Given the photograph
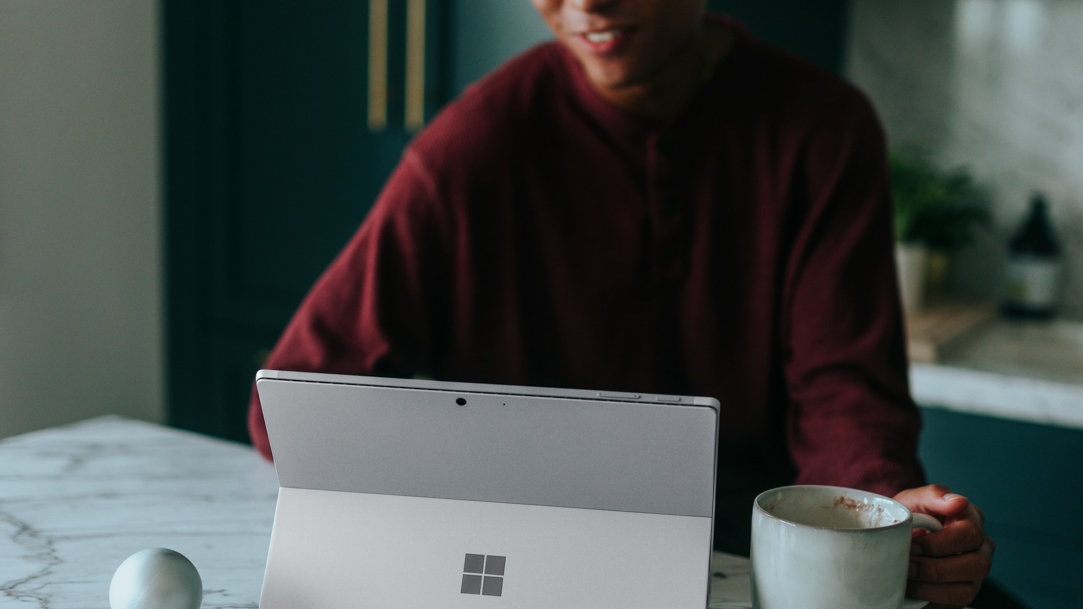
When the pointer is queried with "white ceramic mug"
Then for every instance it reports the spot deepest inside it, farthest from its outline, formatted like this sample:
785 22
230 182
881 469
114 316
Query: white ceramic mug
827 547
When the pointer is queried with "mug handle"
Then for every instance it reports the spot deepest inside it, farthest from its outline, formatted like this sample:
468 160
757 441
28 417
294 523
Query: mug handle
925 521
922 521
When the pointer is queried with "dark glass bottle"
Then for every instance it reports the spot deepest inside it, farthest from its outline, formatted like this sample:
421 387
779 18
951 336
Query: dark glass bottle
1033 273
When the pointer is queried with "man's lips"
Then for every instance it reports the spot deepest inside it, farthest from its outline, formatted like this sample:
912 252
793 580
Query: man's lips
604 41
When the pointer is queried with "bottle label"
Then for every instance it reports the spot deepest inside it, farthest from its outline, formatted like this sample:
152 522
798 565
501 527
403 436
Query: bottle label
1032 282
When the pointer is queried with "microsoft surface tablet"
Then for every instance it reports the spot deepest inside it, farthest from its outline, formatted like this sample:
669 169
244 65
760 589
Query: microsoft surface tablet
403 493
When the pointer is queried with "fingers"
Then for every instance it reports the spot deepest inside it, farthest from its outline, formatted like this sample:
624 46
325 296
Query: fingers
963 534
968 567
935 499
948 566
953 580
956 594
980 513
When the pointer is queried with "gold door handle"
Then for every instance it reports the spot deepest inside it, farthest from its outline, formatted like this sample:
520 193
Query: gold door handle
377 65
415 65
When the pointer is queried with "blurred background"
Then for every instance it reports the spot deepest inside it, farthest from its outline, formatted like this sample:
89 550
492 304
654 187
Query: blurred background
175 175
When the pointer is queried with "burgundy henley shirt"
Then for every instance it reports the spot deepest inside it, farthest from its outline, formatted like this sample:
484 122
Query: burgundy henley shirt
533 234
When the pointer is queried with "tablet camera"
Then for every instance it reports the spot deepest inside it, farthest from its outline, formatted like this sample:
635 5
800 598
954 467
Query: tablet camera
460 401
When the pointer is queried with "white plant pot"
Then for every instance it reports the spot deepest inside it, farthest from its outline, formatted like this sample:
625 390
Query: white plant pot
910 260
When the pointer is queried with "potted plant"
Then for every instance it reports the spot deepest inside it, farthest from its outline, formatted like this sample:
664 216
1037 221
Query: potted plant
936 213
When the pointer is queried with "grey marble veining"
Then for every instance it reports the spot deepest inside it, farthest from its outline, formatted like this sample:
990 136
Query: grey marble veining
996 85
76 501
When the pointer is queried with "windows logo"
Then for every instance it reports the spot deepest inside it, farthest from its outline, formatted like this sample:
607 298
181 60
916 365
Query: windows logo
483 575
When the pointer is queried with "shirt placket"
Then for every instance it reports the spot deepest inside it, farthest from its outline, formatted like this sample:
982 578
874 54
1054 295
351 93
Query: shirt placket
669 213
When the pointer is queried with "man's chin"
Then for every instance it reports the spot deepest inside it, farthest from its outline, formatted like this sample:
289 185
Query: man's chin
613 81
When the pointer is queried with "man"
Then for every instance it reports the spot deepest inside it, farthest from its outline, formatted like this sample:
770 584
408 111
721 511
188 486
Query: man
656 202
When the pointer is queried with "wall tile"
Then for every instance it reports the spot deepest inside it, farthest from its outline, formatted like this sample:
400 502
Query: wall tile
996 85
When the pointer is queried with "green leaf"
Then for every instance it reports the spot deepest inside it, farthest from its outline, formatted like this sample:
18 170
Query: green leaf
939 209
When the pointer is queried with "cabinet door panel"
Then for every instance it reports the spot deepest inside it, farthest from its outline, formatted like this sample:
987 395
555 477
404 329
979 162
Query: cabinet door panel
271 166
1026 477
815 31
307 166
1044 575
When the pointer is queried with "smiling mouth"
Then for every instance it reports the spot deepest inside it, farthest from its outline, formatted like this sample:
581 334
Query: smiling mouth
604 42
602 37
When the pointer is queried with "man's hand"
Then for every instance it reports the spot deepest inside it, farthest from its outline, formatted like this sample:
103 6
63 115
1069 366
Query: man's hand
949 566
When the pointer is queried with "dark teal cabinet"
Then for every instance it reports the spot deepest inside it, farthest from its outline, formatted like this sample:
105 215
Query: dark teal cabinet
1028 479
816 31
283 120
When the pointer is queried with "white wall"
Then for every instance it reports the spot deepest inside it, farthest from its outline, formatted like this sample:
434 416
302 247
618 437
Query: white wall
80 278
996 85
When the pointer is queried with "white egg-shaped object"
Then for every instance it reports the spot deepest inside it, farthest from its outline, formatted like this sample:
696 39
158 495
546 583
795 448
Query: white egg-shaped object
156 578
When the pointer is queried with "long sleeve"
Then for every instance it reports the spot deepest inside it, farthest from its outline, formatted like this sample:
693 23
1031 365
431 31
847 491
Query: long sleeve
851 421
377 309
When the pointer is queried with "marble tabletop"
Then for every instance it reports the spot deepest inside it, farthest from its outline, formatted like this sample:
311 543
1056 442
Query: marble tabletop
75 501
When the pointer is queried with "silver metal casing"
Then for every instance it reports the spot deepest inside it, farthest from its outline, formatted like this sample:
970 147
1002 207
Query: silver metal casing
403 493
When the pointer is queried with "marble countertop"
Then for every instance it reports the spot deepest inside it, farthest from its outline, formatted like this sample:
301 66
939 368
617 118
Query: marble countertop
75 501
1030 372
